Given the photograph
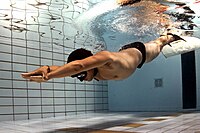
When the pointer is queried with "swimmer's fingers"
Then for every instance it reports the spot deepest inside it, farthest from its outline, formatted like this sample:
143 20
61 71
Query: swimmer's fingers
37 79
42 71
27 75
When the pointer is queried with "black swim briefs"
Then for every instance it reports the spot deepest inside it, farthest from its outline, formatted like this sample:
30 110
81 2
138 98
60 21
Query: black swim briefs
140 46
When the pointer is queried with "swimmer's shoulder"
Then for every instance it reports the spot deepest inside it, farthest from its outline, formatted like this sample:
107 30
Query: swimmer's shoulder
111 56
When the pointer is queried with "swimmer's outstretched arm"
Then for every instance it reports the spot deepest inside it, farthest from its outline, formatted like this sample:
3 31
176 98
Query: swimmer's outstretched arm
40 71
45 73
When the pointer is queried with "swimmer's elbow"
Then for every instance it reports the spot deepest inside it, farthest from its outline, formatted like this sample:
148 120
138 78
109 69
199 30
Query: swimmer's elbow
77 66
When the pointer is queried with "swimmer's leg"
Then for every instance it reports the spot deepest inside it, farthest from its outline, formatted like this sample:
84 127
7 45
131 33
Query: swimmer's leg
153 48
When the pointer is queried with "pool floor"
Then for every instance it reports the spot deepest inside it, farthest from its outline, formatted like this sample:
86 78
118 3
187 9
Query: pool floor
117 122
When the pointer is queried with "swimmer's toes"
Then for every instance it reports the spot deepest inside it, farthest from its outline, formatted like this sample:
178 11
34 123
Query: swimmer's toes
176 37
127 2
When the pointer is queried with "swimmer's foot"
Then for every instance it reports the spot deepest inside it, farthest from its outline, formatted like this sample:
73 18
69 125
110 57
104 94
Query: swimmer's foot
172 38
127 2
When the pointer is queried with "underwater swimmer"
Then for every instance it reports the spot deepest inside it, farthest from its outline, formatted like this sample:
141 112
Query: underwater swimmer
103 65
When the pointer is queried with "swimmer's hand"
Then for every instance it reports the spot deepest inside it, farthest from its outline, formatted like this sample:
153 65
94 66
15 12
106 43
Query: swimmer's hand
38 75
37 79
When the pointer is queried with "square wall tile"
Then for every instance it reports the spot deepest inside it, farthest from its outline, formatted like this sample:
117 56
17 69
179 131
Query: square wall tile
80 87
71 108
81 107
98 106
59 101
33 60
5 48
19 84
46 54
19 50
34 101
90 107
70 100
58 56
18 35
6 74
59 94
6 92
19 58
90 100
70 94
89 94
47 109
34 93
5 57
6 101
33 44
6 110
5 65
99 100
34 109
98 94
90 87
47 93
33 52
59 108
81 100
20 101
47 101
20 109
47 85
33 85
18 42
59 86
6 83
46 61
6 117
21 117
20 93
70 86
19 67
80 94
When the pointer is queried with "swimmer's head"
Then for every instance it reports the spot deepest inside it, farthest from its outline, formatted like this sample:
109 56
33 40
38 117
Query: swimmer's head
79 54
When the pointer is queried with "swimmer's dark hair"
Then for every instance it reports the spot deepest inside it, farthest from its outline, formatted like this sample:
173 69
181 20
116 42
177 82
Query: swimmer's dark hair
79 54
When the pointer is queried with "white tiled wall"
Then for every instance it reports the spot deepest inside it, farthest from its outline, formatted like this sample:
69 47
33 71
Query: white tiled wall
29 39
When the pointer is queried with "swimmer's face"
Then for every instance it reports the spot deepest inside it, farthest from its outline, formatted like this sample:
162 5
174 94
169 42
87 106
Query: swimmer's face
81 76
84 76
